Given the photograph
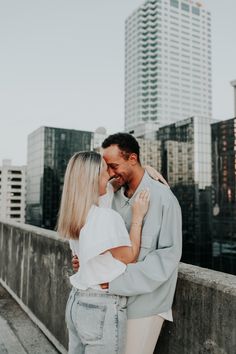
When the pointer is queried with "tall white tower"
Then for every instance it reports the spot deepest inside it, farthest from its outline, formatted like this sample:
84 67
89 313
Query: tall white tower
167 64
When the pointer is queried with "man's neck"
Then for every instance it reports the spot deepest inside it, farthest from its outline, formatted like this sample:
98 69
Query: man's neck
131 187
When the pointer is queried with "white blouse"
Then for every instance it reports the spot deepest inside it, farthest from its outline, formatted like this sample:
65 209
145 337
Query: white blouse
104 229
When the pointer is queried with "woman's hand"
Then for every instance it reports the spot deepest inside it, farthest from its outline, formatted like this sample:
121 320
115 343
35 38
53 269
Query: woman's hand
155 175
140 205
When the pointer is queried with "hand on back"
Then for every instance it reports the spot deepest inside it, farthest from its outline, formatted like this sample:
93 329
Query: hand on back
75 263
155 175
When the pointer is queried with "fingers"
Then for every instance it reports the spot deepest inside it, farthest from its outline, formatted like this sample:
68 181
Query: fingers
162 179
75 260
156 175
143 195
75 263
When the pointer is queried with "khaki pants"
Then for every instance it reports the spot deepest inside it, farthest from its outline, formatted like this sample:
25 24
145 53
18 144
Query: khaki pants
142 334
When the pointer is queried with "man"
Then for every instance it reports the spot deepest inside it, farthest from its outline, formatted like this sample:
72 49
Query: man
150 282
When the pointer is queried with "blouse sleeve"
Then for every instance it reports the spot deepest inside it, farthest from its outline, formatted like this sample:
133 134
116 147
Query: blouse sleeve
105 229
101 269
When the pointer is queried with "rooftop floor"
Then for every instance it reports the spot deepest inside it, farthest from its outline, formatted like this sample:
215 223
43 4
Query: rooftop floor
18 334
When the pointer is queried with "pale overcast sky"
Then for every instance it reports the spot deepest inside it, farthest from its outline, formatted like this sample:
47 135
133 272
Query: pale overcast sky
62 65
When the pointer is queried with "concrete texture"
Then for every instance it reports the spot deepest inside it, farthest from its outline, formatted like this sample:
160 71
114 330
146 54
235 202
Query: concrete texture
34 267
204 314
18 334
34 264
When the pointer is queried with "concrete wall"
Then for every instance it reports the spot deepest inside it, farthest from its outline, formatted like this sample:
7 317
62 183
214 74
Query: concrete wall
204 314
34 267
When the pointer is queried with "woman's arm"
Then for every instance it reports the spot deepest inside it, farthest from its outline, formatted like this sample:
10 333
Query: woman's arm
130 254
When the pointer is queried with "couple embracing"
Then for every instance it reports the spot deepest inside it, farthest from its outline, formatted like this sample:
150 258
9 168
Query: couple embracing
124 226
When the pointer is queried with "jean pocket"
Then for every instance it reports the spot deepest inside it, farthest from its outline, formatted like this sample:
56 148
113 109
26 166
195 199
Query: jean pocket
90 321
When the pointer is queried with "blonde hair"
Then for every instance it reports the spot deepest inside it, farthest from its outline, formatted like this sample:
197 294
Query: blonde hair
80 192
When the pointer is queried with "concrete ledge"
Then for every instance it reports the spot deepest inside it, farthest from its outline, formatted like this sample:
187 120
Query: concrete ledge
209 278
34 267
204 314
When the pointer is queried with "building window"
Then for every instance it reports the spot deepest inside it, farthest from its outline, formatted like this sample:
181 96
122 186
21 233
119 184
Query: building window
13 201
15 172
174 3
195 10
185 7
16 194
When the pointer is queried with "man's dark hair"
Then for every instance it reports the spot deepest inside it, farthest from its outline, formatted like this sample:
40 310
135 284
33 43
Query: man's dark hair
126 143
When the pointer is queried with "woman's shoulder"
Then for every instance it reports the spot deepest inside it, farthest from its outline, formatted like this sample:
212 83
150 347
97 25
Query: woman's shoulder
103 212
103 218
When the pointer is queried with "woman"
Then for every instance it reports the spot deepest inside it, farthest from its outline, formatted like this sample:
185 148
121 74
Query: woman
97 234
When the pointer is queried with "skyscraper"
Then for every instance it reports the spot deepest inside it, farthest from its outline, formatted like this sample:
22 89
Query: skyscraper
150 153
224 194
186 163
167 64
49 150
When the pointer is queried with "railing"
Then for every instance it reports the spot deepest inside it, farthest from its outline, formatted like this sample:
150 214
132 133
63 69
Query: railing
34 268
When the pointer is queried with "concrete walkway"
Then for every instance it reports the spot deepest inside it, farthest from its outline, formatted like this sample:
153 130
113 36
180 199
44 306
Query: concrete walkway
18 334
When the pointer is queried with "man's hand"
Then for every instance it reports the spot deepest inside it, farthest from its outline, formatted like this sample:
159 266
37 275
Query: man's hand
75 263
75 266
155 175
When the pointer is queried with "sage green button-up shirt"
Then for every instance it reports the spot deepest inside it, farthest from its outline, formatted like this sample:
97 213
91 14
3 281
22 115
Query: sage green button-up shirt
150 283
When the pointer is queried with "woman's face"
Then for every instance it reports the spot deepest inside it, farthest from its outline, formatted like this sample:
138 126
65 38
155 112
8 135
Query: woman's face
104 178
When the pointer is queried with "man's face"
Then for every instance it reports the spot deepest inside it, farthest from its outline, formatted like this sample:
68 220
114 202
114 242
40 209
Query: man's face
118 167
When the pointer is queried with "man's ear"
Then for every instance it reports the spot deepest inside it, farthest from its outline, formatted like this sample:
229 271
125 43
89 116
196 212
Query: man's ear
133 159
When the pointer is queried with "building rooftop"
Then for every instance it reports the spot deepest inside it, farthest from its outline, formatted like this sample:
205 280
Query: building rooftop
15 327
36 271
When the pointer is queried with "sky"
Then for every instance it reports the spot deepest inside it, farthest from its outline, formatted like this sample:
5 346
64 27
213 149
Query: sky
62 65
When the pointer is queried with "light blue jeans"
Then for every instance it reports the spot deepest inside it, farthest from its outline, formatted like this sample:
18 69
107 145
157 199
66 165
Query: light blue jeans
96 322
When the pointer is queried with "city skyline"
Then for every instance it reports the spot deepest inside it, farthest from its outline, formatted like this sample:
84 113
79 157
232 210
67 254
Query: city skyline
62 65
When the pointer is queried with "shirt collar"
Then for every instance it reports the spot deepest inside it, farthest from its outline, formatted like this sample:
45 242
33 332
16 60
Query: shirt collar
144 183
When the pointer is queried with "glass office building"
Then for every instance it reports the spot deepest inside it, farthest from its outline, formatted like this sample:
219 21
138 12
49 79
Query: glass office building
150 153
186 163
49 150
224 195
167 64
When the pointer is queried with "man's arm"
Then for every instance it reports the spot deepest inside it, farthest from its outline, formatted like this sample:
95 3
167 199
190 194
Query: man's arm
158 266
